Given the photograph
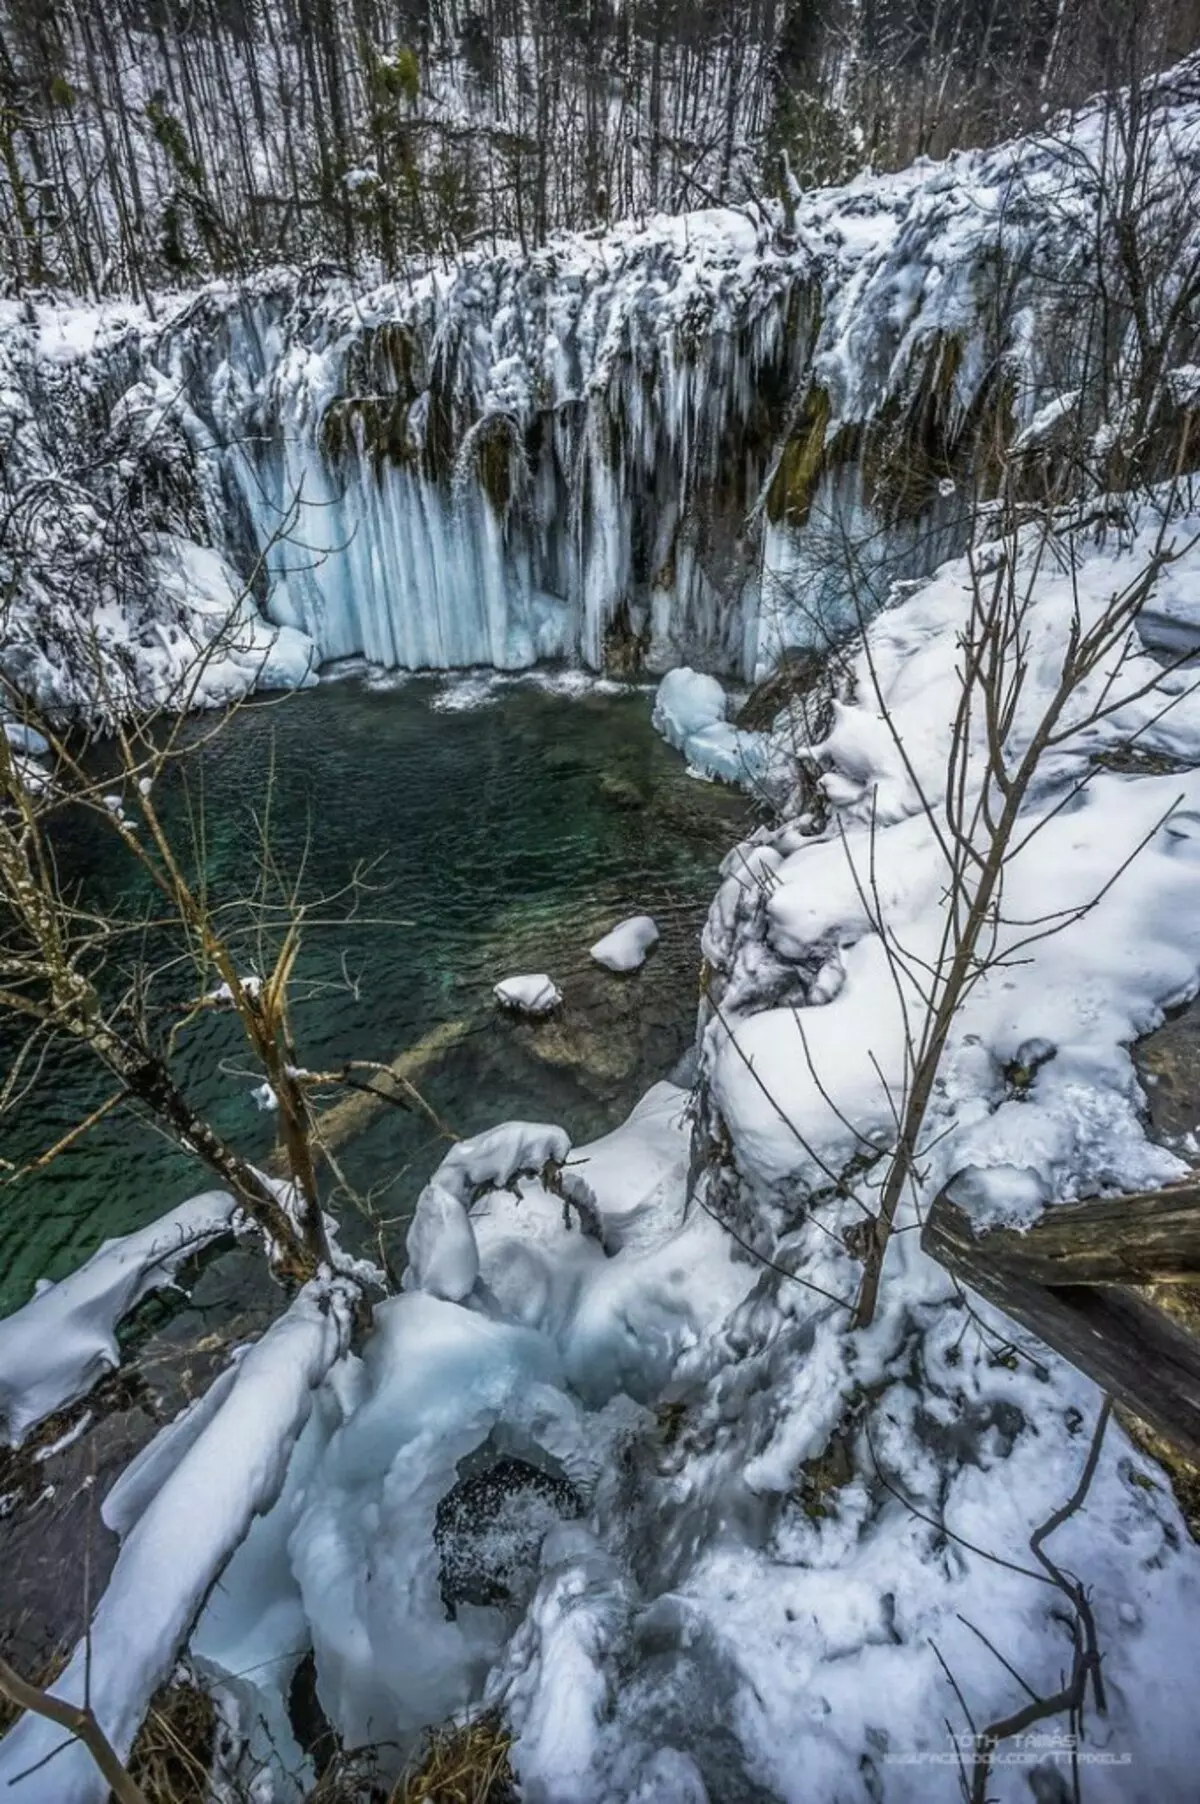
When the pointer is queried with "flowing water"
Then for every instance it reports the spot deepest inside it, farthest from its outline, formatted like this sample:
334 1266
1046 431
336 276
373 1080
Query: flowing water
501 838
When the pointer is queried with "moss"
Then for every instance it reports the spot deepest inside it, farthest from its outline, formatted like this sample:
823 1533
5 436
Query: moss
823 1478
625 643
912 443
802 461
670 1418
394 358
370 426
493 466
1184 1473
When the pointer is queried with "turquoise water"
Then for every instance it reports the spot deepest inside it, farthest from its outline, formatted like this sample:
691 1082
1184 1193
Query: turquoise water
501 839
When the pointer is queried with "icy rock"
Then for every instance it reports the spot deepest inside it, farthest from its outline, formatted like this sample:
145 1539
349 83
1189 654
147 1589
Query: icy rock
26 739
686 703
689 712
532 995
289 662
728 753
625 948
443 1259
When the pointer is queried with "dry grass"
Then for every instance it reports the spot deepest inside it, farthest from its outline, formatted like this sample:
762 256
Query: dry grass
172 1756
463 1763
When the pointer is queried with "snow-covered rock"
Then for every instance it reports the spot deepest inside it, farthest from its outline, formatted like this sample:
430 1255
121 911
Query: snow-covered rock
687 702
535 994
689 712
25 739
626 946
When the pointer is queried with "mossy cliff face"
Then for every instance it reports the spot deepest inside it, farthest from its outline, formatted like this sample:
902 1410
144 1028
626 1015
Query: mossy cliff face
634 447
650 504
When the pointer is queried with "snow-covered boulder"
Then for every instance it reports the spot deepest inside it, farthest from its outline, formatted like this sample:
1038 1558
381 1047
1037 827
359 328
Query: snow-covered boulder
535 995
725 751
625 948
689 712
57 1347
686 703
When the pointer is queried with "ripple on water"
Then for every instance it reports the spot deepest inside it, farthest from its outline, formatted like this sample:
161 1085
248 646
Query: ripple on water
508 837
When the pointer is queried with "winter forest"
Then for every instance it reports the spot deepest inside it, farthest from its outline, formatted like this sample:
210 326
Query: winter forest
599 901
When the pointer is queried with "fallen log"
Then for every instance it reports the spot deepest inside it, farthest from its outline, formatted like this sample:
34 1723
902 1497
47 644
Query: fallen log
1137 1354
1150 1237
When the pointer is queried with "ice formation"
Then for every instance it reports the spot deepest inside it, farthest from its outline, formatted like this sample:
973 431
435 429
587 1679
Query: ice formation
625 948
632 447
689 712
212 1477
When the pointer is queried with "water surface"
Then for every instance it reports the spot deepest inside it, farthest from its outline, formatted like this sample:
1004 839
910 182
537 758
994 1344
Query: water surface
501 839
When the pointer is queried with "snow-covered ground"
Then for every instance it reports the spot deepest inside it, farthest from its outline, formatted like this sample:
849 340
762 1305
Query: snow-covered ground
800 1552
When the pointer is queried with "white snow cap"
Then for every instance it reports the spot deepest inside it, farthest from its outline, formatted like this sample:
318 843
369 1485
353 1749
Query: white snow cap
625 948
687 703
531 995
55 1348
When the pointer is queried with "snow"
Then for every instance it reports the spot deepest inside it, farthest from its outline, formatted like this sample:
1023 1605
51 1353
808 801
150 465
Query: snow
794 1533
26 739
435 1379
56 1348
689 712
740 1607
174 1547
626 946
687 702
535 994
443 1259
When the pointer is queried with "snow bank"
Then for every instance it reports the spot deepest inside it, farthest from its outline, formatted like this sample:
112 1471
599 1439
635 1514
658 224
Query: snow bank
626 946
770 1560
532 995
55 1348
203 1503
